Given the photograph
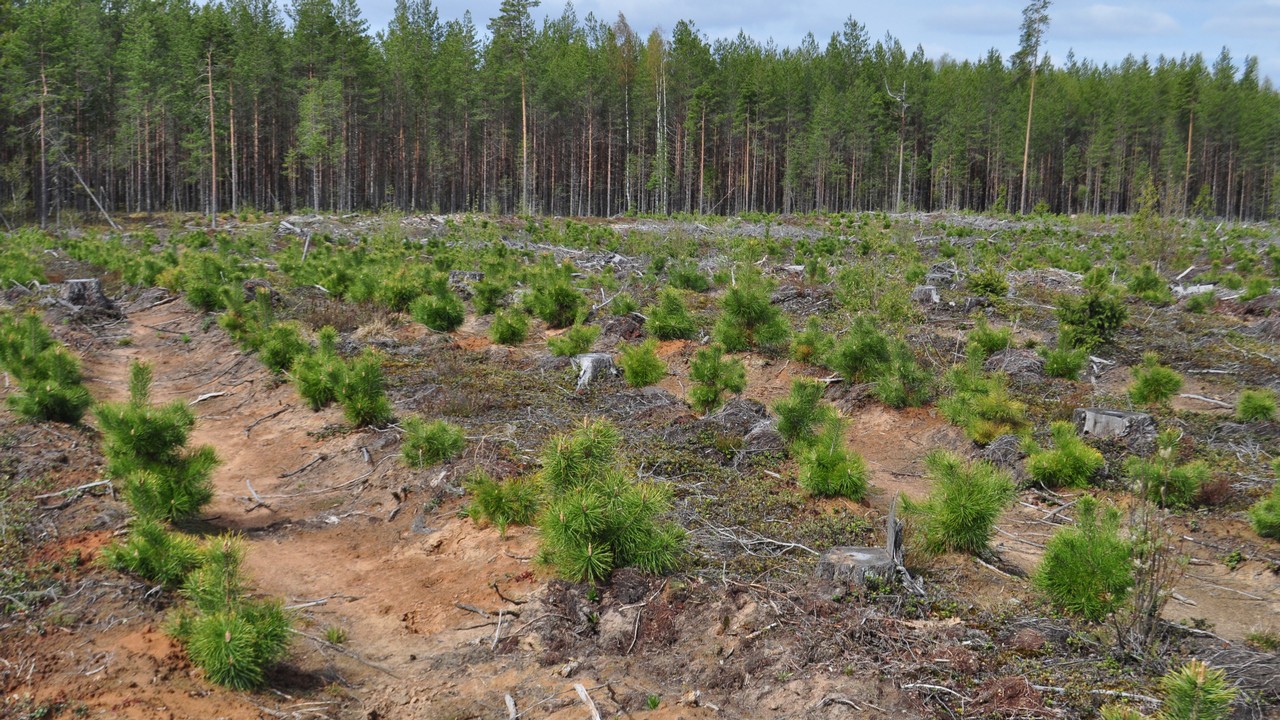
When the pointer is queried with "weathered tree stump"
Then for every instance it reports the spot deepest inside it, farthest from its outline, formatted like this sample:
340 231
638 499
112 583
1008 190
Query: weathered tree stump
863 565
1135 429
589 365
86 293
925 295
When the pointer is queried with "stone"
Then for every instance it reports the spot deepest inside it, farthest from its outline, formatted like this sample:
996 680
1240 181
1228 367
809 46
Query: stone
1135 429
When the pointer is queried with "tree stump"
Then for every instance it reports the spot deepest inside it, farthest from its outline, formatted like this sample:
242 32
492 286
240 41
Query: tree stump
1135 429
86 293
589 365
862 565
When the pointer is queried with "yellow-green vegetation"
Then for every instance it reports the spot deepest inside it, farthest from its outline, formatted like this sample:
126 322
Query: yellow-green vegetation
1086 569
1071 462
427 443
640 363
965 498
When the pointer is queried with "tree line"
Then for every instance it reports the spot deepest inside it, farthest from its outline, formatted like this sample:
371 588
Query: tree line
233 105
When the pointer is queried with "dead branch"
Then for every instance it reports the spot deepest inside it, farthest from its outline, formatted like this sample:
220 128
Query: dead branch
249 428
319 459
586 700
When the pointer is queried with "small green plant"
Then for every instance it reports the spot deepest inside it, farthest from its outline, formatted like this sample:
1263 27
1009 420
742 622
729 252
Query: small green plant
1256 406
1165 483
1196 692
489 294
1264 640
988 282
1071 463
144 447
987 339
553 298
281 346
901 382
1201 303
231 636
688 277
1255 288
669 319
48 374
802 411
1148 285
714 375
652 702
981 403
1095 318
509 327
1063 361
441 310
1264 515
364 400
624 304
829 469
748 319
861 353
960 512
596 518
428 443
335 635
152 552
641 365
510 502
1152 382
1086 569
318 375
811 344
575 341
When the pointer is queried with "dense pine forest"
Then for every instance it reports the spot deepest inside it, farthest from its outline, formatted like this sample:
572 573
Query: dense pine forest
235 105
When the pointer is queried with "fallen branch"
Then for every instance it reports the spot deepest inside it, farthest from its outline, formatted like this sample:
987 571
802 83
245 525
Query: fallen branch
1107 693
69 491
344 651
299 471
926 686
206 396
1202 398
586 700
248 428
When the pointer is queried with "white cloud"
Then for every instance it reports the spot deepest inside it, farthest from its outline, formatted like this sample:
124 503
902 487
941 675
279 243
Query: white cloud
1247 19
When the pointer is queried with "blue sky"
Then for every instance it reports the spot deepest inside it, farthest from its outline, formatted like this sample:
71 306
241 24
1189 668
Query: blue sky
1100 31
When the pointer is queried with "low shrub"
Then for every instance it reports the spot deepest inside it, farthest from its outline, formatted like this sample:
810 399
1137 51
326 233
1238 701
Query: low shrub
687 277
1196 692
318 375
363 397
574 341
596 519
714 375
669 319
510 502
427 443
1201 303
488 295
901 382
829 469
1161 481
232 637
802 411
441 310
1148 285
748 319
987 339
988 282
553 298
1071 463
960 512
1256 405
641 365
281 346
1094 318
811 344
860 354
1064 361
1255 288
1086 569
154 553
509 327
1264 515
981 403
1152 382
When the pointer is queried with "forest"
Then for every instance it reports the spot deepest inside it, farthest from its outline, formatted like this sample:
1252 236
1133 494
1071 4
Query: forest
240 105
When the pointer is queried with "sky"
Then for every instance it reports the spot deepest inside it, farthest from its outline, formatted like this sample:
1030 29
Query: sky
1099 31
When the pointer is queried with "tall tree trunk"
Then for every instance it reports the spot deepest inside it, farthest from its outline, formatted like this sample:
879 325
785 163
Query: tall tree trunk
524 146
1026 143
213 150
231 120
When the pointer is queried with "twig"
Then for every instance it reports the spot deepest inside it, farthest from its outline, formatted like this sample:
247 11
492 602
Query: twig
76 489
1108 693
926 686
586 700
248 428
1202 398
472 608
762 631
299 471
497 633
346 652
511 707
494 585
206 396
838 700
